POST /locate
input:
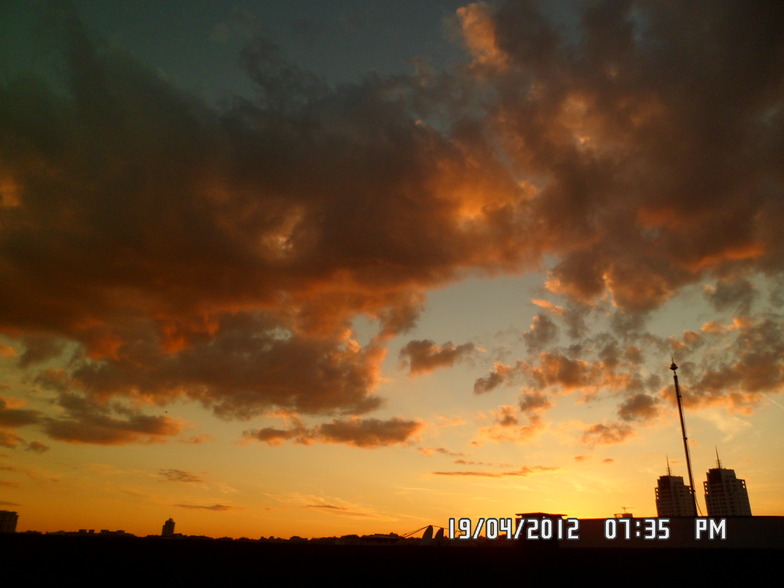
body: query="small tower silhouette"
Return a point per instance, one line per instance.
(168, 528)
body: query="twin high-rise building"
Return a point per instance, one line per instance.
(673, 498)
(725, 495)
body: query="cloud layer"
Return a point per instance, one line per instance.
(222, 254)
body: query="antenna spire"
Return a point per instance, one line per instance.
(718, 461)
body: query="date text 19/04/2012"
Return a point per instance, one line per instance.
(509, 528)
(555, 528)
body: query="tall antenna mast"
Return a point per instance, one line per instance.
(674, 369)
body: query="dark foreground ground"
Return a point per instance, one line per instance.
(156, 561)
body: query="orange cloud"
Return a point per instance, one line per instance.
(521, 472)
(7, 351)
(175, 475)
(11, 415)
(601, 434)
(425, 356)
(479, 35)
(213, 507)
(365, 433)
(88, 422)
(548, 305)
(506, 426)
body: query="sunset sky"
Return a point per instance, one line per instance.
(319, 268)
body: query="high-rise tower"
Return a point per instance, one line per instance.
(726, 495)
(168, 528)
(673, 497)
(8, 521)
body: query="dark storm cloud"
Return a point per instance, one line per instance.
(657, 131)
(425, 356)
(222, 254)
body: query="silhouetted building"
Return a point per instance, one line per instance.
(673, 498)
(168, 528)
(8, 521)
(726, 495)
